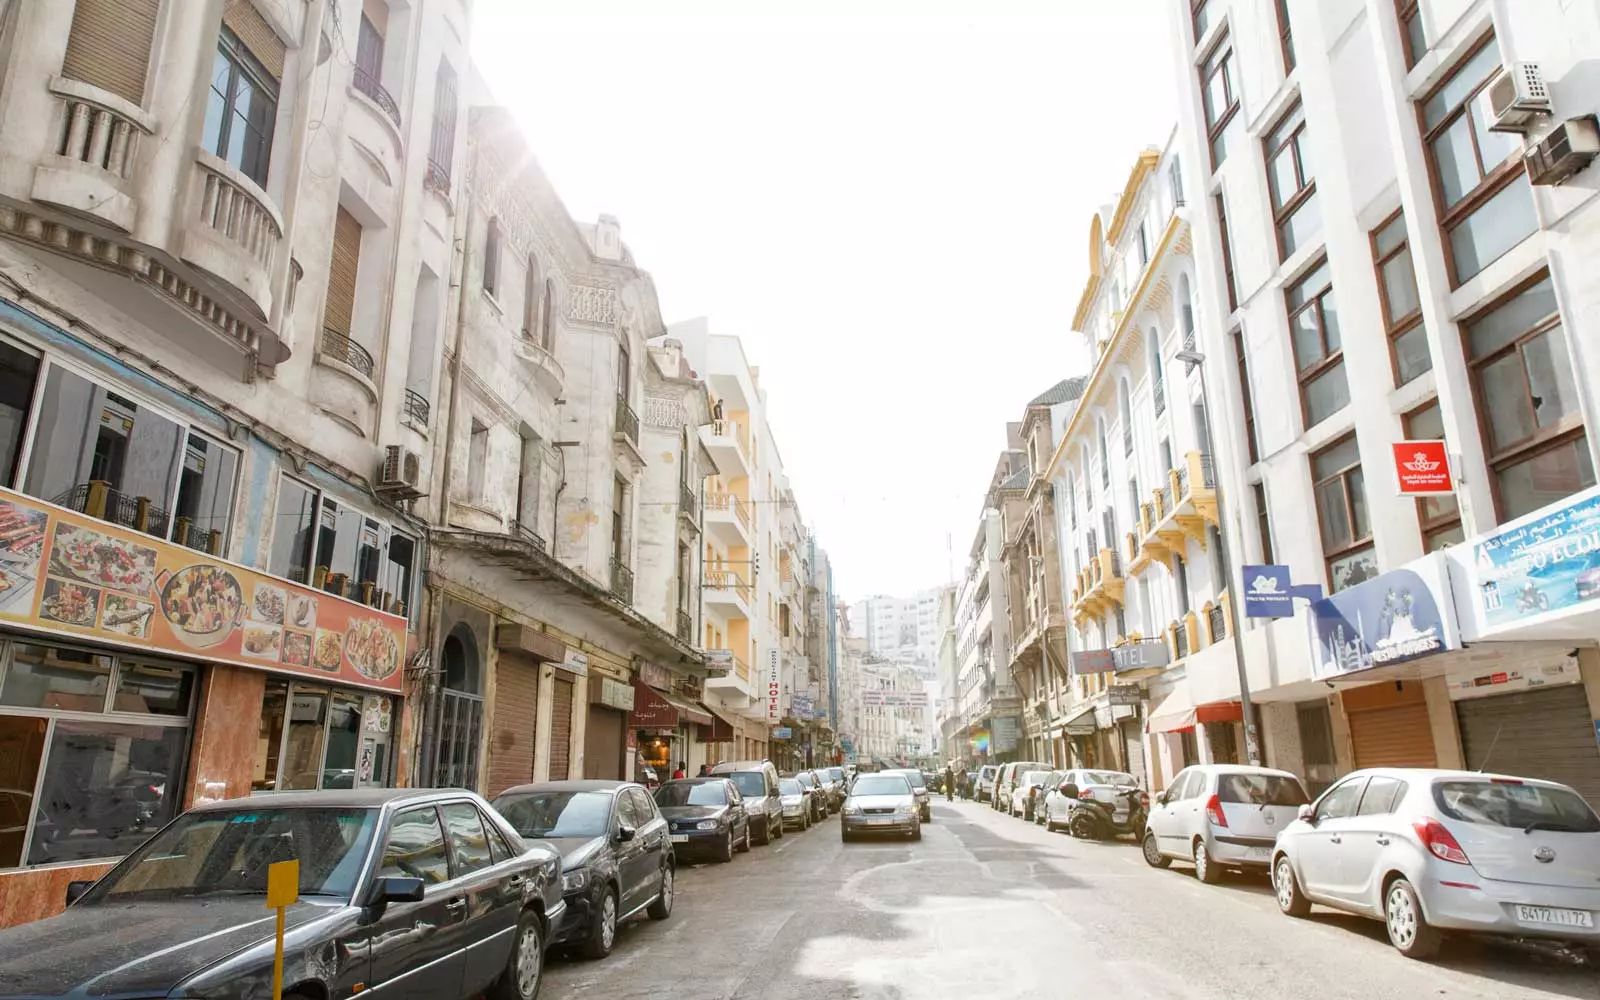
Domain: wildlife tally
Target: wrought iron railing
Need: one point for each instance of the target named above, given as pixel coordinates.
(1160, 393)
(1180, 641)
(1208, 471)
(627, 421)
(527, 534)
(685, 626)
(103, 501)
(341, 348)
(417, 406)
(1166, 498)
(688, 504)
(1217, 621)
(1183, 480)
(621, 582)
(368, 84)
(191, 536)
(437, 178)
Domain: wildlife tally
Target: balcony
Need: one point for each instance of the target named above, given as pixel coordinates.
(526, 533)
(729, 444)
(416, 409)
(90, 171)
(541, 364)
(104, 501)
(728, 593)
(621, 582)
(1179, 510)
(1099, 587)
(688, 504)
(626, 427)
(367, 84)
(728, 519)
(234, 231)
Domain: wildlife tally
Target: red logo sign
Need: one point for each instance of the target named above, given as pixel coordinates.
(1422, 467)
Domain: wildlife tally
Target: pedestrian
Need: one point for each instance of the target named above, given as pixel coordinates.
(949, 785)
(705, 769)
(961, 784)
(683, 767)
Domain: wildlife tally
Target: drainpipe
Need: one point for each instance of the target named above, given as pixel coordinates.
(458, 270)
(310, 50)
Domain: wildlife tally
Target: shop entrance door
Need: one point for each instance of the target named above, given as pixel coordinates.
(602, 744)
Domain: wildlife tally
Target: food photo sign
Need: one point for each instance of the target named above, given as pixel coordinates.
(68, 572)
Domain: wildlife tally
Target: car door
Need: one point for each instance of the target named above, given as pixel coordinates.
(1320, 848)
(738, 819)
(416, 948)
(657, 848)
(493, 901)
(629, 852)
(1368, 832)
(1166, 817)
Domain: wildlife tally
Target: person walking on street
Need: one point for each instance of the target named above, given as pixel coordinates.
(705, 769)
(682, 771)
(949, 785)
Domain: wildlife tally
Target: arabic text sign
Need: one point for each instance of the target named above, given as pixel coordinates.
(1394, 617)
(1548, 561)
(65, 572)
(1422, 468)
(1092, 661)
(801, 707)
(1267, 593)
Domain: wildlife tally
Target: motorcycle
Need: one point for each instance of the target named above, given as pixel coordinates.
(1095, 820)
(1531, 598)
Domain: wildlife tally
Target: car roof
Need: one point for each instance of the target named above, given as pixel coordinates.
(1429, 773)
(1242, 769)
(699, 779)
(587, 785)
(344, 798)
(740, 765)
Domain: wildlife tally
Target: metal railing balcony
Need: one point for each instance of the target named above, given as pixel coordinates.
(621, 582)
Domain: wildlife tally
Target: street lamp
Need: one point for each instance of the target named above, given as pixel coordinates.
(1194, 359)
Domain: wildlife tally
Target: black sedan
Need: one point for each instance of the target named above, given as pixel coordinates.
(705, 817)
(405, 893)
(616, 858)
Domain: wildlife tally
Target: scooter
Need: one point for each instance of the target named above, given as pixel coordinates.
(1093, 820)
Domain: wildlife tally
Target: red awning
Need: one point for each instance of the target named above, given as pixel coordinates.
(720, 730)
(1177, 713)
(654, 709)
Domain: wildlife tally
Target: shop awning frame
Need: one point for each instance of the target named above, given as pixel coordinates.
(1178, 713)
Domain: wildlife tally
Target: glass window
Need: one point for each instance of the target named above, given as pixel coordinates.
(205, 494)
(1200, 15)
(1285, 37)
(291, 531)
(1402, 305)
(709, 793)
(344, 739)
(644, 807)
(1341, 499)
(154, 689)
(499, 844)
(1501, 222)
(1381, 797)
(1318, 346)
(1515, 805)
(1261, 790)
(1291, 182)
(1527, 484)
(469, 844)
(415, 847)
(269, 742)
(1341, 800)
(241, 109)
(1220, 98)
(1416, 44)
(1439, 515)
(302, 751)
(106, 787)
(557, 813)
(19, 372)
(42, 676)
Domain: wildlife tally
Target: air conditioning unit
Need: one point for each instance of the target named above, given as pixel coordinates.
(1564, 152)
(1516, 98)
(400, 476)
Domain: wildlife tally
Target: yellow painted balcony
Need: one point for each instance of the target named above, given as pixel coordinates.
(1179, 510)
(729, 443)
(1101, 586)
(728, 593)
(728, 518)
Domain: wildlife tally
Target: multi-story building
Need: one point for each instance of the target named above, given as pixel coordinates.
(948, 709)
(1389, 246)
(904, 630)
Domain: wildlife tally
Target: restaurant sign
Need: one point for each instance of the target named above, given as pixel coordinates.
(62, 572)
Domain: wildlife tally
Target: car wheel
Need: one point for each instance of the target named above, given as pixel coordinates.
(1409, 930)
(604, 932)
(525, 970)
(1205, 869)
(661, 909)
(727, 848)
(1152, 852)
(916, 832)
(1290, 899)
(744, 845)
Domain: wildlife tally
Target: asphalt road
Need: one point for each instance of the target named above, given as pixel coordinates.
(986, 906)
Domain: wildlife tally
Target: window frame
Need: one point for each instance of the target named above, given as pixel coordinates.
(1396, 327)
(1407, 11)
(293, 683)
(1285, 37)
(1226, 238)
(1197, 10)
(321, 498)
(243, 62)
(1356, 544)
(1441, 523)
(1218, 60)
(1274, 146)
(492, 239)
(1329, 359)
(1263, 521)
(1241, 359)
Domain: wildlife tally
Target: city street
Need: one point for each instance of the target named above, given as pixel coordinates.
(988, 906)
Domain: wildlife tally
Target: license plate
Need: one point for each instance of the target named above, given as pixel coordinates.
(1260, 853)
(879, 820)
(1552, 915)
(680, 838)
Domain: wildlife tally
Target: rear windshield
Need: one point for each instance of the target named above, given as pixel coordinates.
(1109, 778)
(1523, 807)
(986, 771)
(1035, 777)
(752, 783)
(788, 786)
(914, 778)
(1261, 790)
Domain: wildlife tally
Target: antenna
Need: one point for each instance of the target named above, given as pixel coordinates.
(1483, 765)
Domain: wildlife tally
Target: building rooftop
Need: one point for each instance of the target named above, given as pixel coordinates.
(1064, 391)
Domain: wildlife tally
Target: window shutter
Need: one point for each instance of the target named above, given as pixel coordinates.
(341, 304)
(442, 142)
(242, 18)
(377, 11)
(109, 45)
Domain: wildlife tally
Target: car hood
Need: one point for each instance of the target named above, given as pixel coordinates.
(575, 851)
(135, 948)
(792, 800)
(882, 801)
(692, 812)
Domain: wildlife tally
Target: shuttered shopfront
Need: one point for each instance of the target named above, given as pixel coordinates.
(602, 743)
(1132, 731)
(1389, 725)
(1543, 733)
(560, 729)
(512, 734)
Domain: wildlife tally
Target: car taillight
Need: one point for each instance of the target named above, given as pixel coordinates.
(1085, 795)
(1144, 800)
(1214, 811)
(1439, 841)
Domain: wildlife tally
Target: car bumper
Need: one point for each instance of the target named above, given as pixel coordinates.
(878, 824)
(1491, 908)
(1240, 852)
(698, 841)
(573, 924)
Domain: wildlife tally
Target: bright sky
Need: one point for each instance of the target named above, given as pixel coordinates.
(887, 200)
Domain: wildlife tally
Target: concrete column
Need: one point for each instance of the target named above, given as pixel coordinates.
(1442, 723)
(28, 113)
(1344, 757)
(541, 725)
(580, 726)
(1281, 735)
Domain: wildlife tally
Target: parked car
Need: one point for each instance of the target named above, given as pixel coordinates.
(1024, 792)
(919, 789)
(816, 795)
(984, 782)
(464, 905)
(881, 803)
(1222, 816)
(1430, 851)
(758, 785)
(1106, 787)
(1006, 783)
(705, 817)
(836, 780)
(616, 860)
(796, 801)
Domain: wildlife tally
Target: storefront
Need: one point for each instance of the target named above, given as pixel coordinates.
(521, 651)
(1533, 721)
(605, 729)
(664, 723)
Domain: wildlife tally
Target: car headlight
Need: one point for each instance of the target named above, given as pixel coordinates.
(575, 880)
(706, 824)
(906, 810)
(851, 809)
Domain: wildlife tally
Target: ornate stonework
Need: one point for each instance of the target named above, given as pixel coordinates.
(664, 411)
(595, 305)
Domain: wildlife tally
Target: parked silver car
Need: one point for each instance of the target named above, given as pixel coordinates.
(758, 785)
(1428, 851)
(1222, 816)
(880, 803)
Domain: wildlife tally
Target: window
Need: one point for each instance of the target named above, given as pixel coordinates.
(241, 109)
(477, 462)
(1318, 351)
(1439, 515)
(1402, 305)
(442, 136)
(1220, 97)
(1227, 252)
(1340, 801)
(1341, 498)
(1180, 578)
(1152, 349)
(547, 330)
(1175, 182)
(1143, 243)
(1485, 203)
(103, 739)
(1285, 37)
(1245, 393)
(1381, 796)
(369, 47)
(1105, 454)
(1291, 180)
(1200, 17)
(316, 737)
(469, 844)
(619, 504)
(491, 256)
(19, 374)
(625, 372)
(1411, 33)
(1263, 522)
(1526, 394)
(1125, 415)
(415, 848)
(531, 284)
(319, 541)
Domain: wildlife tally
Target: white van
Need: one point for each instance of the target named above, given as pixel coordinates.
(758, 784)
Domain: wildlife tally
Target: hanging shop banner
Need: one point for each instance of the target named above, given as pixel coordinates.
(1141, 654)
(1512, 677)
(65, 572)
(1546, 563)
(774, 686)
(1006, 731)
(1397, 616)
(801, 707)
(719, 662)
(1422, 468)
(1266, 592)
(1125, 695)
(1092, 661)
(782, 733)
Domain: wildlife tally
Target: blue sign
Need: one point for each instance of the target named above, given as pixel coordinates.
(1546, 562)
(1394, 617)
(1266, 592)
(782, 733)
(800, 706)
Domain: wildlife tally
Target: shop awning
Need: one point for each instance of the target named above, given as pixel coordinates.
(1177, 713)
(1081, 724)
(653, 709)
(718, 730)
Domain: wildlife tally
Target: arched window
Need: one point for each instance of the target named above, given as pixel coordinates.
(1105, 454)
(547, 330)
(531, 284)
(1185, 312)
(1158, 389)
(1125, 414)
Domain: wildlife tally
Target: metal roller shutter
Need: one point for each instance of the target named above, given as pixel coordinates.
(1133, 748)
(1397, 736)
(109, 45)
(602, 745)
(341, 304)
(561, 730)
(1544, 733)
(512, 737)
(242, 18)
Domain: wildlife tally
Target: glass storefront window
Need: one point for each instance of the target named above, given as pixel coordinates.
(19, 372)
(269, 742)
(302, 749)
(154, 689)
(43, 676)
(107, 787)
(322, 542)
(344, 737)
(21, 751)
(335, 738)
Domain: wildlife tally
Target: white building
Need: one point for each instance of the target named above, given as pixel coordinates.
(904, 630)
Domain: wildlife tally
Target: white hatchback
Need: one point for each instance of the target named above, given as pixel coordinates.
(1429, 850)
(1222, 816)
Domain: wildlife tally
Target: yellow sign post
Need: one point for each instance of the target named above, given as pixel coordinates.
(283, 889)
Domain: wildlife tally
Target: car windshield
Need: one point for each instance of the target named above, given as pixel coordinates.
(1035, 777)
(914, 778)
(1261, 790)
(1108, 778)
(1517, 805)
(807, 780)
(881, 784)
(556, 813)
(836, 774)
(227, 853)
(789, 786)
(700, 793)
(750, 783)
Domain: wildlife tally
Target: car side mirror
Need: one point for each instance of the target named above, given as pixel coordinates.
(396, 889)
(75, 890)
(1308, 813)
(625, 833)
(1069, 789)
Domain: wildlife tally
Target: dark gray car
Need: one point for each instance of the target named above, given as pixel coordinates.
(403, 893)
